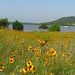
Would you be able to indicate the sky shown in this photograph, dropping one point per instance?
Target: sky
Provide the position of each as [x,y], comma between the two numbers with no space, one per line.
[36,11]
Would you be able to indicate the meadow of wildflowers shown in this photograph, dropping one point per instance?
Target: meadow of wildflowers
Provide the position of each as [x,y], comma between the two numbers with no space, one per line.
[37,53]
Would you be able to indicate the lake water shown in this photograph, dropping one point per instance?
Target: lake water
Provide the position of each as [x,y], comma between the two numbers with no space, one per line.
[35,28]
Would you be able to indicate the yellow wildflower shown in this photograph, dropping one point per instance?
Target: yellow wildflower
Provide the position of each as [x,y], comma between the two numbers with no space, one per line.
[53,52]
[65,60]
[31,67]
[69,55]
[40,50]
[37,53]
[30,47]
[29,63]
[33,70]
[38,56]
[24,70]
[28,70]
[15,51]
[1,68]
[22,42]
[51,74]
[11,60]
[42,42]
[3,63]
[54,59]
[63,54]
[51,49]
[47,53]
[12,73]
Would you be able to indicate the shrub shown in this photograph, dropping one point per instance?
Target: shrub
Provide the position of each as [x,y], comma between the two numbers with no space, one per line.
[43,26]
[4,23]
[17,25]
[54,27]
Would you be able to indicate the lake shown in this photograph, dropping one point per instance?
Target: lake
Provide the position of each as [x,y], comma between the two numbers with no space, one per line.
[29,28]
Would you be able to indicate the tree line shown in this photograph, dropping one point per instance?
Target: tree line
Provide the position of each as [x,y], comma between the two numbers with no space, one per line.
[4,23]
[53,27]
[19,26]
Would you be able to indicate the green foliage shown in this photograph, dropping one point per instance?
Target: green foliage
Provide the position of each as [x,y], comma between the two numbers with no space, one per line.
[54,27]
[64,21]
[43,26]
[4,23]
[17,25]
[22,46]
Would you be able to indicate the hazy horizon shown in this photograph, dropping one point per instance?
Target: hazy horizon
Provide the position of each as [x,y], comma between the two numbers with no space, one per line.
[36,11]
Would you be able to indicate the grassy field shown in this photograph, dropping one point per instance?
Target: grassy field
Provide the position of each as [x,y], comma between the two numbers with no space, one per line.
[37,53]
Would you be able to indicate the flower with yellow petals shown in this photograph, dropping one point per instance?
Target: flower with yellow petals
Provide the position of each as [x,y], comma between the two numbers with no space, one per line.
[69,55]
[51,74]
[3,63]
[11,60]
[54,59]
[30,47]
[51,49]
[1,68]
[24,70]
[37,53]
[63,54]
[22,42]
[29,63]
[13,74]
[47,53]
[53,52]
[31,67]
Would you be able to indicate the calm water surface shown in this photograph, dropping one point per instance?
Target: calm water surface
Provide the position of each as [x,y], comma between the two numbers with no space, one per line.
[35,28]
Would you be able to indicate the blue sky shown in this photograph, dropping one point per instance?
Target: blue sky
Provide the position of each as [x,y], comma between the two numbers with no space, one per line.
[36,10]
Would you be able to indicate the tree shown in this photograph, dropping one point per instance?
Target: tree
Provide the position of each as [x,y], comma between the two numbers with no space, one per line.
[43,26]
[4,23]
[17,25]
[54,27]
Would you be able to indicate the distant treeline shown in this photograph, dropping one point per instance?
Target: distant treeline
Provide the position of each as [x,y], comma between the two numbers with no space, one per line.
[26,23]
[19,26]
[16,24]
[63,21]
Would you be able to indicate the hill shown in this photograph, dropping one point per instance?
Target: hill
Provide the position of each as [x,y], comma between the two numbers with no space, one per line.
[64,21]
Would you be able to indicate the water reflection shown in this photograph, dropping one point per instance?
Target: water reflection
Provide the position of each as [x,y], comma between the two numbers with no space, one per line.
[35,28]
